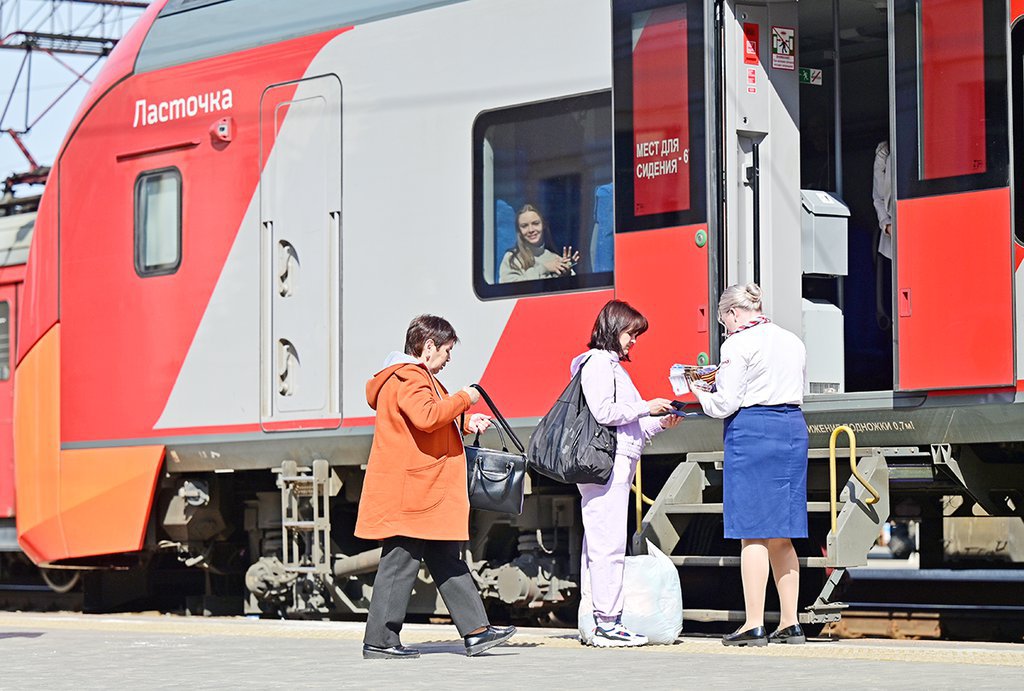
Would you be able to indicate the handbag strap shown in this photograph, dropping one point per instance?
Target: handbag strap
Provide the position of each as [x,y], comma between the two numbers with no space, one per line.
[501,437]
[501,420]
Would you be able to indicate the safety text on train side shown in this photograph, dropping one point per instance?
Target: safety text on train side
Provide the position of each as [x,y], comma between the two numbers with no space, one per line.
[868,426]
[187,107]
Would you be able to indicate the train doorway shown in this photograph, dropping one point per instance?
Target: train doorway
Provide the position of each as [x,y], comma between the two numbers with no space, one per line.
[844,152]
[806,86]
[300,267]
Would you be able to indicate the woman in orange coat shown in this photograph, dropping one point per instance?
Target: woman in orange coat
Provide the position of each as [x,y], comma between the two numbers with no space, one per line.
[414,495]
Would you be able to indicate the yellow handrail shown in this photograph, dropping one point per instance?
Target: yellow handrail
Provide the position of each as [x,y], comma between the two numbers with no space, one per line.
[640,498]
[853,469]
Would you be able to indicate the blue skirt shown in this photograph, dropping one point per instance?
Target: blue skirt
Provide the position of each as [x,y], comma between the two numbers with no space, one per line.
[765,473]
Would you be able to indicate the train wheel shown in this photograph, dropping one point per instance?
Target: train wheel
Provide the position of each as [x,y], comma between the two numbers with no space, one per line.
[61,580]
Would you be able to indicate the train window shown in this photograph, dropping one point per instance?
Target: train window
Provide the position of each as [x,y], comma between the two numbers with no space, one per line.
[158,222]
[951,119]
[189,30]
[1017,89]
[5,340]
[542,197]
[659,113]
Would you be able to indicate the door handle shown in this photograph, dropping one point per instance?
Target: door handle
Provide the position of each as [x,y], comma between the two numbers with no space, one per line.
[287,367]
[287,268]
[905,307]
[702,319]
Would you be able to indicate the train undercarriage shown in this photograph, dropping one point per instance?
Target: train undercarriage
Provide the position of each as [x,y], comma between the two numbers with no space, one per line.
[279,542]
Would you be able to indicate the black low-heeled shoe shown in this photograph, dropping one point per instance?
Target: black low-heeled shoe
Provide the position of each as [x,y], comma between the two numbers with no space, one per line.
[791,635]
[477,643]
[753,637]
[396,652]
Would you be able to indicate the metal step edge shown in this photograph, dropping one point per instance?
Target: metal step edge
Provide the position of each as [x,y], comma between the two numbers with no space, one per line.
[695,560]
[812,507]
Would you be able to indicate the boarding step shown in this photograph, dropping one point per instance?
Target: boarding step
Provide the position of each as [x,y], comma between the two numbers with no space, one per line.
[306,525]
[297,479]
[824,616]
[693,560]
[711,508]
[810,615]
[306,517]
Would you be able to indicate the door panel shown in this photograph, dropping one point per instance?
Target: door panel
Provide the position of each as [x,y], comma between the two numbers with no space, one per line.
[954,263]
[300,193]
[955,291]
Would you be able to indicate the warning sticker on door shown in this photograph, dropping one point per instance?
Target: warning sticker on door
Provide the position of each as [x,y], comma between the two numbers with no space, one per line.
[783,48]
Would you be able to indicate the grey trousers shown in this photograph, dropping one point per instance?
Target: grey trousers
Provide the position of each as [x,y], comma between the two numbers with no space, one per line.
[396,576]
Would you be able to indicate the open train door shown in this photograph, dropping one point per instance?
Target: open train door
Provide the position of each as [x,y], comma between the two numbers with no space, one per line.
[662,264]
[300,267]
[954,263]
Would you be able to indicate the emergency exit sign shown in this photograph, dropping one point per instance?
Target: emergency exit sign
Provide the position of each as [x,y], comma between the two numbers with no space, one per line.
[810,76]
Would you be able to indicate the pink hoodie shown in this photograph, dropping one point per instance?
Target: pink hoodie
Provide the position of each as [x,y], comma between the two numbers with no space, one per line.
[603,380]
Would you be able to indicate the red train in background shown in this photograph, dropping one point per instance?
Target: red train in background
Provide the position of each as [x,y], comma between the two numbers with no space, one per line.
[251,204]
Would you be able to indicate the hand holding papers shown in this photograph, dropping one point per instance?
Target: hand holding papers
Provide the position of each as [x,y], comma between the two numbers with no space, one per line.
[687,378]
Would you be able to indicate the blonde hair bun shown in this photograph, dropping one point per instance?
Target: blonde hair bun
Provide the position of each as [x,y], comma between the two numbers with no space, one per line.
[737,296]
[753,295]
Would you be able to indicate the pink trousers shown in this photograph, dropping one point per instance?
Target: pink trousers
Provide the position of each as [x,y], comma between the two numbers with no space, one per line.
[605,510]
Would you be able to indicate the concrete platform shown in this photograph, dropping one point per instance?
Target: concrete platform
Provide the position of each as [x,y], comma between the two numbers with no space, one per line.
[73,651]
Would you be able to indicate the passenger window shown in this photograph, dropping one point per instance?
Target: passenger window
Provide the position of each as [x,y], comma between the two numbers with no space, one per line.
[542,203]
[658,77]
[1017,89]
[951,116]
[158,222]
[5,340]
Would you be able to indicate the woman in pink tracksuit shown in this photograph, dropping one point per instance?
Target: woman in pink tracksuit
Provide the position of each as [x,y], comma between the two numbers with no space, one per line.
[614,401]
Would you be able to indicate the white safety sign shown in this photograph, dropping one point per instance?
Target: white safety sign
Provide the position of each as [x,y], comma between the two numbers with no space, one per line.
[783,48]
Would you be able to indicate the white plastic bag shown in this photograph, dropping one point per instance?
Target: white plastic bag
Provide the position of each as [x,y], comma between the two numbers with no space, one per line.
[652,599]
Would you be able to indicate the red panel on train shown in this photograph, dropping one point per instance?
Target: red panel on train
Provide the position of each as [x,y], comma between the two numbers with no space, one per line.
[664,274]
[955,291]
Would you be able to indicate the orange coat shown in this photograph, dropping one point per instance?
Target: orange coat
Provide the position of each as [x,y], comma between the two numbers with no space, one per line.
[415,484]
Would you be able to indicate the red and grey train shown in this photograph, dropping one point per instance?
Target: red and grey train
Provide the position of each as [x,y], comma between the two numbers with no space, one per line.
[252,203]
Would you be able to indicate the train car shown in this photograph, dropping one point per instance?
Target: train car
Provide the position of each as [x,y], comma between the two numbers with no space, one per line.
[252,203]
[15,236]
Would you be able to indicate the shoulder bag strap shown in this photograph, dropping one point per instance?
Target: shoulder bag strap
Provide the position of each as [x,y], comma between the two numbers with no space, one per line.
[615,385]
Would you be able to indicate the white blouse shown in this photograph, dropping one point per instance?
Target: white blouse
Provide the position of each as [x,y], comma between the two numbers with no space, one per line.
[762,365]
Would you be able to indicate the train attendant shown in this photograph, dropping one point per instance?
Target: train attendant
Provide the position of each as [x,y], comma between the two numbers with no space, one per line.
[759,390]
[414,495]
[531,259]
[614,401]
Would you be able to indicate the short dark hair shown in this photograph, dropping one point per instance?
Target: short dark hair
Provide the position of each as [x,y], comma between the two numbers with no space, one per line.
[616,317]
[427,327]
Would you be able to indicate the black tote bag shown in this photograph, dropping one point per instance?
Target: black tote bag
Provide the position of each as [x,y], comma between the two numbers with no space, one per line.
[569,445]
[496,479]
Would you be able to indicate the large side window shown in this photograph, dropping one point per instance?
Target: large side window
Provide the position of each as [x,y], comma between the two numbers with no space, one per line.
[659,113]
[158,222]
[951,109]
[542,198]
[1017,89]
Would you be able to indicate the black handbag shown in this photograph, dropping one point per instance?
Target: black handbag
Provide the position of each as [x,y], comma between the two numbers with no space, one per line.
[569,445]
[496,478]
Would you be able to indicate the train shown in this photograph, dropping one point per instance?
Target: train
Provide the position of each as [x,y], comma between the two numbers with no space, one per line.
[251,204]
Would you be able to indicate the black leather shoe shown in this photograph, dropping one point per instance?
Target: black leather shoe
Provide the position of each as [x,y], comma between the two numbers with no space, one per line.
[793,635]
[397,652]
[755,637]
[477,643]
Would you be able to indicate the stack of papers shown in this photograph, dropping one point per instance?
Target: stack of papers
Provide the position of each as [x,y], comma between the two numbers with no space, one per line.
[685,378]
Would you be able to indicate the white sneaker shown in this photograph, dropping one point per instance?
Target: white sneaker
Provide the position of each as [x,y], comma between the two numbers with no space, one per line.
[615,635]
